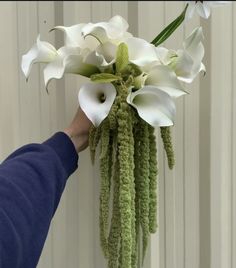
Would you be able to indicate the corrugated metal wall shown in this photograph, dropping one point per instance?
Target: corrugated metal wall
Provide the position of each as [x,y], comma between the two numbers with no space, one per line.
[197,215]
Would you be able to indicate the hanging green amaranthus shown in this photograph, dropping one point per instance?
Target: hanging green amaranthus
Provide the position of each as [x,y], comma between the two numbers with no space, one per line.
[128,161]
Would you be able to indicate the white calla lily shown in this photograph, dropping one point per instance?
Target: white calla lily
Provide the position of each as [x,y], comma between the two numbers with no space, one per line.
[193,48]
[68,60]
[96,101]
[73,35]
[42,52]
[103,56]
[202,8]
[165,79]
[187,62]
[114,29]
[108,52]
[164,55]
[75,38]
[153,105]
[141,52]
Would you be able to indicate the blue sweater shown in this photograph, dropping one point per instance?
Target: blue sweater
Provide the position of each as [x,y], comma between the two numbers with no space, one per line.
[32,180]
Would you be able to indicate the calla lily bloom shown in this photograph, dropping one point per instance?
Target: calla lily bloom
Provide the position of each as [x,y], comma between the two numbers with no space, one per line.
[141,52]
[186,63]
[165,79]
[153,105]
[64,60]
[103,56]
[68,60]
[75,38]
[115,29]
[90,35]
[96,101]
[202,8]
[42,52]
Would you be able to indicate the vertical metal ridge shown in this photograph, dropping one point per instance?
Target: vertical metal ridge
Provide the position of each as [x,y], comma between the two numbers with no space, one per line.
[232,138]
[19,71]
[204,158]
[133,17]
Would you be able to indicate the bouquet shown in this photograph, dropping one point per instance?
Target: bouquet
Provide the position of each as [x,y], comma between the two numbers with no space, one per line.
[131,90]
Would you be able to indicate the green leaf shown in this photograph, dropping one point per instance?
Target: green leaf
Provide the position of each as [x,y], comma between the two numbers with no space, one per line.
[122,57]
[169,29]
[104,78]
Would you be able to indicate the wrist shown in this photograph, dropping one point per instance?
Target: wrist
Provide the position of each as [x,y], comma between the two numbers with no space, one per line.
[80,140]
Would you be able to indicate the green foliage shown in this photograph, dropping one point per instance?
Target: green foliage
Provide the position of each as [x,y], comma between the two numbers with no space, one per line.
[167,32]
[104,78]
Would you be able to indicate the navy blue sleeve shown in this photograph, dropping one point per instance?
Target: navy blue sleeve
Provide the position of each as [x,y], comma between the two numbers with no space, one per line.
[32,180]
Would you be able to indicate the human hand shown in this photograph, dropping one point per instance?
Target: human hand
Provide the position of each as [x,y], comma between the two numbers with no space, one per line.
[78,130]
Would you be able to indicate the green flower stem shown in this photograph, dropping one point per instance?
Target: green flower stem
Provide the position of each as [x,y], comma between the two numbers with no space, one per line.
[153,172]
[167,141]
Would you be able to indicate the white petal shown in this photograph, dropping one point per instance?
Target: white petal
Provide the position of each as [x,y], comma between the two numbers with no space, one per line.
[90,96]
[183,66]
[120,24]
[74,37]
[153,105]
[140,51]
[40,52]
[103,56]
[203,10]
[190,10]
[113,29]
[94,59]
[165,79]
[108,52]
[193,39]
[68,60]
[163,55]
[195,49]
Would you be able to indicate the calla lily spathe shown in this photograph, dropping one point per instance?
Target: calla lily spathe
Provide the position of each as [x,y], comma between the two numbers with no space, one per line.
[202,8]
[153,105]
[186,63]
[103,56]
[165,79]
[141,52]
[91,34]
[75,38]
[68,60]
[64,60]
[96,101]
[41,52]
[115,29]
